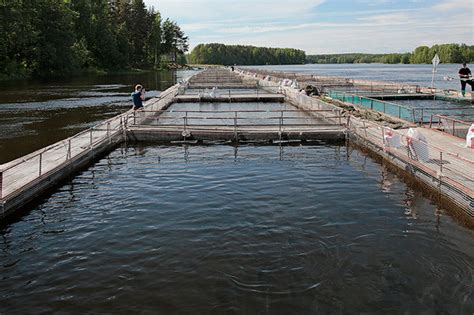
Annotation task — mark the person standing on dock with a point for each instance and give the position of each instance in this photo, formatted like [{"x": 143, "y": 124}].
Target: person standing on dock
[
  {"x": 465, "y": 77},
  {"x": 138, "y": 97}
]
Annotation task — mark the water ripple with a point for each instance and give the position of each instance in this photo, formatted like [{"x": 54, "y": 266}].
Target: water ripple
[{"x": 268, "y": 230}]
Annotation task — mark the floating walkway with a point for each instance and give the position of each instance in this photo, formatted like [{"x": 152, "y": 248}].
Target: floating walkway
[{"x": 218, "y": 105}]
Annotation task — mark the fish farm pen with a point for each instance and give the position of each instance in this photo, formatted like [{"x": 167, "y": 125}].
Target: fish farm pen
[
  {"x": 235, "y": 191},
  {"x": 258, "y": 107}
]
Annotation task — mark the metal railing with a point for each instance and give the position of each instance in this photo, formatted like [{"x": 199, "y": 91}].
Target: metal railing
[
  {"x": 445, "y": 164},
  {"x": 454, "y": 126},
  {"x": 392, "y": 109},
  {"x": 227, "y": 92},
  {"x": 239, "y": 120},
  {"x": 21, "y": 172}
]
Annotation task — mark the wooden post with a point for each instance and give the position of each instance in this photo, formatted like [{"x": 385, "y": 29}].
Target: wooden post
[
  {"x": 90, "y": 147},
  {"x": 69, "y": 150},
  {"x": 108, "y": 132}
]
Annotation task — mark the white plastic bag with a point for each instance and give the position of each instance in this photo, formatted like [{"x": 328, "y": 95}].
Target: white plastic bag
[
  {"x": 470, "y": 137},
  {"x": 417, "y": 145},
  {"x": 392, "y": 139}
]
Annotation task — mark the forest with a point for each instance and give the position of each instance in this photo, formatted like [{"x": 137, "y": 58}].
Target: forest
[
  {"x": 244, "y": 55},
  {"x": 448, "y": 53},
  {"x": 44, "y": 38}
]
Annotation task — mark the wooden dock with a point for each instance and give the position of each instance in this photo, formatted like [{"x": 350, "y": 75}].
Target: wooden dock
[
  {"x": 438, "y": 160},
  {"x": 234, "y": 98}
]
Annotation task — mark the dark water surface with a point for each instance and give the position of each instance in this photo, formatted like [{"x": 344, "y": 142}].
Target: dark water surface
[
  {"x": 34, "y": 114},
  {"x": 245, "y": 230}
]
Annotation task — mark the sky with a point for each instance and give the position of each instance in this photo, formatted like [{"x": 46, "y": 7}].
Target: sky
[{"x": 324, "y": 26}]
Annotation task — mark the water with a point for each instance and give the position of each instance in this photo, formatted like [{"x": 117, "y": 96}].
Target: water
[
  {"x": 222, "y": 229},
  {"x": 34, "y": 114},
  {"x": 229, "y": 114},
  {"x": 410, "y": 74}
]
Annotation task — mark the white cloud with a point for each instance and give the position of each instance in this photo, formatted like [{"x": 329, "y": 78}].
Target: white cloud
[
  {"x": 388, "y": 19},
  {"x": 203, "y": 10},
  {"x": 448, "y": 5},
  {"x": 298, "y": 24}
]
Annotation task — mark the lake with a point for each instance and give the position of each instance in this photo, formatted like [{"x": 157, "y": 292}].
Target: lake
[
  {"x": 219, "y": 229},
  {"x": 248, "y": 229},
  {"x": 410, "y": 74},
  {"x": 34, "y": 114}
]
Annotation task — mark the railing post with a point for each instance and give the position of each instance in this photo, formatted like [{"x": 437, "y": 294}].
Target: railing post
[
  {"x": 422, "y": 116},
  {"x": 108, "y": 132},
  {"x": 134, "y": 117},
  {"x": 281, "y": 121},
  {"x": 40, "y": 162},
  {"x": 185, "y": 122},
  {"x": 69, "y": 150},
  {"x": 440, "y": 162},
  {"x": 383, "y": 136},
  {"x": 399, "y": 112},
  {"x": 1, "y": 185},
  {"x": 235, "y": 125},
  {"x": 453, "y": 126},
  {"x": 90, "y": 145},
  {"x": 371, "y": 104}
]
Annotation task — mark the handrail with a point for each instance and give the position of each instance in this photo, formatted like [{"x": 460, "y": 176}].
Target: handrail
[
  {"x": 234, "y": 111},
  {"x": 374, "y": 99},
  {"x": 14, "y": 163}
]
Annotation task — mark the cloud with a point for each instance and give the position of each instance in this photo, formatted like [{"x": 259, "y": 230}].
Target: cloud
[
  {"x": 203, "y": 10},
  {"x": 388, "y": 19},
  {"x": 319, "y": 26},
  {"x": 449, "y": 5}
]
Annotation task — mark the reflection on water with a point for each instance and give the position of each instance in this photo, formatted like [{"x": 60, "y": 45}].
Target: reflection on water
[
  {"x": 222, "y": 229},
  {"x": 34, "y": 114}
]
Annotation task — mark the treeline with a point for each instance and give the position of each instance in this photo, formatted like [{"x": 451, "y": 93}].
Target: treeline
[
  {"x": 448, "y": 53},
  {"x": 244, "y": 55},
  {"x": 60, "y": 37}
]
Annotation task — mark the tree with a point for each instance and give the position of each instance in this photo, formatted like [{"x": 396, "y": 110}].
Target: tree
[{"x": 155, "y": 40}]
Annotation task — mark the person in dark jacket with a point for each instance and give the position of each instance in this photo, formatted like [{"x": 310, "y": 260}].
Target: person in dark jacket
[
  {"x": 138, "y": 97},
  {"x": 465, "y": 77}
]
